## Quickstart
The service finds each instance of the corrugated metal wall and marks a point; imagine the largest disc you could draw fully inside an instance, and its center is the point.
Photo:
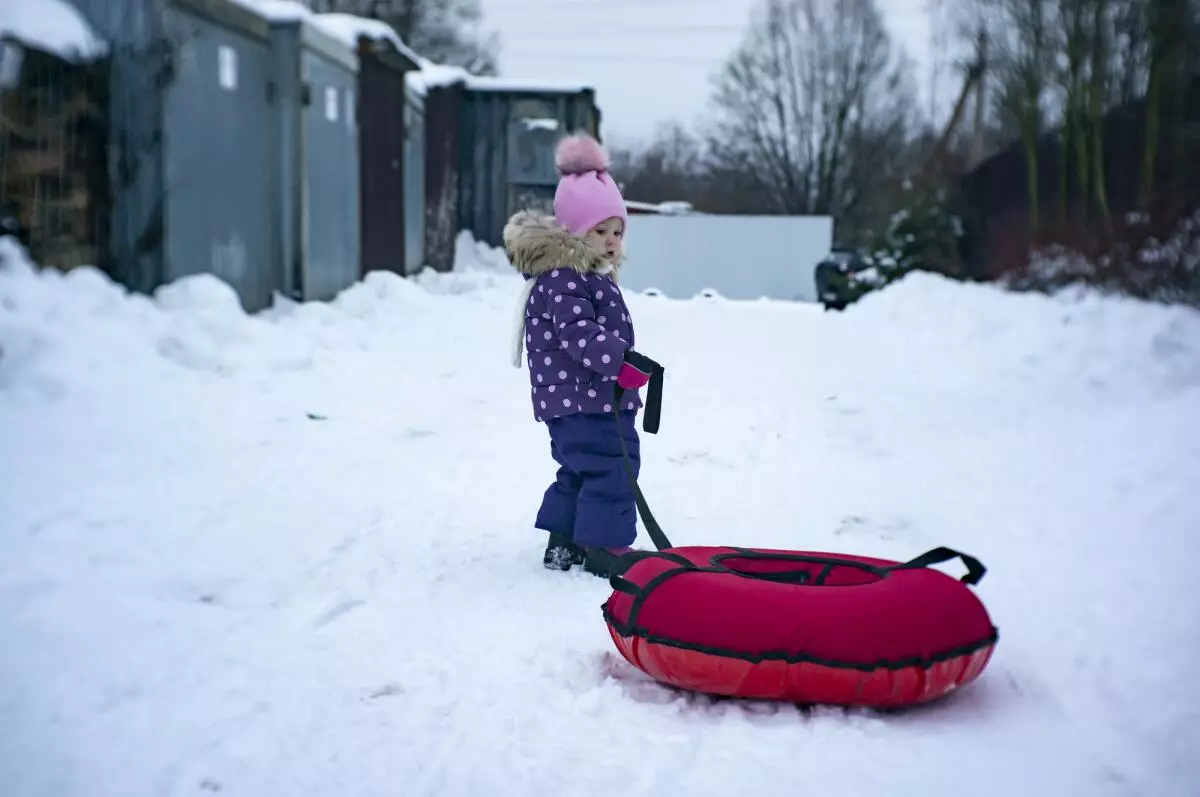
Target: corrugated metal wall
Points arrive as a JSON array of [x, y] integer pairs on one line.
[[482, 195], [318, 157], [507, 153], [470, 157], [333, 231], [383, 160], [218, 165], [443, 108], [191, 191], [54, 186], [490, 153], [141, 66]]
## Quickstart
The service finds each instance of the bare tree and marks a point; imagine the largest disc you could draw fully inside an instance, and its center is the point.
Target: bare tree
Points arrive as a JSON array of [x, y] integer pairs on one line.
[[671, 167], [1172, 28], [813, 107], [1021, 64], [1130, 50], [1060, 65], [444, 31]]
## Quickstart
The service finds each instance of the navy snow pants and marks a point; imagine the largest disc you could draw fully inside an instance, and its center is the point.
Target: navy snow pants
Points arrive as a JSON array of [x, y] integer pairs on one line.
[[590, 500]]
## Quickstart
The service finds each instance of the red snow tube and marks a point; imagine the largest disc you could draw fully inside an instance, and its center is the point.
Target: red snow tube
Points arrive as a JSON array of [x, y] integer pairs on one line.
[[798, 626]]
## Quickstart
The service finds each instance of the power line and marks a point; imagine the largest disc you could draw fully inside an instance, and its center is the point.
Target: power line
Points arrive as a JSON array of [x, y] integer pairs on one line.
[[639, 30], [918, 7], [597, 5], [618, 57]]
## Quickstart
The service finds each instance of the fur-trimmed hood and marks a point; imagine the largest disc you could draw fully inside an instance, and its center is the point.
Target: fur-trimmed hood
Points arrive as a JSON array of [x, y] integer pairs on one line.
[[535, 244]]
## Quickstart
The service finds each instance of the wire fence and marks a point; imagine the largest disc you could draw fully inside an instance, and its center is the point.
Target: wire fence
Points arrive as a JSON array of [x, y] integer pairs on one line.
[[54, 187]]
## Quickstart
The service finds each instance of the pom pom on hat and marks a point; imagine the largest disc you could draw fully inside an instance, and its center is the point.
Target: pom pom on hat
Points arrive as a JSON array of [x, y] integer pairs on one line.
[[579, 154], [586, 194]]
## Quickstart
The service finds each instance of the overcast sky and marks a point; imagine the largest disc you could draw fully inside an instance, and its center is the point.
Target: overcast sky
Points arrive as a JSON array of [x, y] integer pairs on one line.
[[647, 59]]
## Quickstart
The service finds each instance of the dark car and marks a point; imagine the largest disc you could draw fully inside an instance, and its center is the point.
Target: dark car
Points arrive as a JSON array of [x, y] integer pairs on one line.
[[843, 277]]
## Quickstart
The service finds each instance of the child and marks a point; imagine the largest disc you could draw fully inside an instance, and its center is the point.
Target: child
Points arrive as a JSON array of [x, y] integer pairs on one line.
[[580, 338]]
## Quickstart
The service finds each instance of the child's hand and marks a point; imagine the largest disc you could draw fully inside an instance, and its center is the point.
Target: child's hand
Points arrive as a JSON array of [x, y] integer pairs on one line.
[[635, 371]]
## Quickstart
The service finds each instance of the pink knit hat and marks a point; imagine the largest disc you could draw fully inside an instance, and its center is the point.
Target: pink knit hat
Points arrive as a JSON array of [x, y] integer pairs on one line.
[[586, 192]]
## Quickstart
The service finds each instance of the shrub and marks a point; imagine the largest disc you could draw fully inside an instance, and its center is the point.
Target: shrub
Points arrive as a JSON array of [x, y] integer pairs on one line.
[[1147, 255]]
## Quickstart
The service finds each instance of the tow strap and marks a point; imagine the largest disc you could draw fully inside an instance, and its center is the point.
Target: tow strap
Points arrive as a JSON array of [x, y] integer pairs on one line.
[[650, 421]]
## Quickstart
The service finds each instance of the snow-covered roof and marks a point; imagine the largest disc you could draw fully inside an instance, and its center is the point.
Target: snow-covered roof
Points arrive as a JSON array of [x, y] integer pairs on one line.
[[277, 10], [534, 84], [671, 208], [433, 75], [347, 29], [51, 25]]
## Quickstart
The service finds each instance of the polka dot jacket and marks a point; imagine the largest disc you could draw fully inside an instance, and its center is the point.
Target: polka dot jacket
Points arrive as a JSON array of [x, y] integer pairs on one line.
[[577, 327]]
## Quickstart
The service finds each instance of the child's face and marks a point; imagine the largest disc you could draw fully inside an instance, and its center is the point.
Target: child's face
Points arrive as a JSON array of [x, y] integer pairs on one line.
[[606, 236]]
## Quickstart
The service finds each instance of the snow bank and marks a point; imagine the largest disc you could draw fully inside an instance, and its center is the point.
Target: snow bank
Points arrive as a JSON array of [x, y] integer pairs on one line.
[[65, 332], [62, 331], [1101, 345], [291, 553], [52, 25], [79, 331]]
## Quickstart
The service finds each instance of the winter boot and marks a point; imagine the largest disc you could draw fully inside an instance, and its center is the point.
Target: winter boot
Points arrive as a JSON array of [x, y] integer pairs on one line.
[[561, 553]]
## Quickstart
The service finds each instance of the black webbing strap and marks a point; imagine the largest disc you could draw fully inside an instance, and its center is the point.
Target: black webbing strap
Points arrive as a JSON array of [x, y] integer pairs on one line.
[[975, 568], [652, 414], [650, 421]]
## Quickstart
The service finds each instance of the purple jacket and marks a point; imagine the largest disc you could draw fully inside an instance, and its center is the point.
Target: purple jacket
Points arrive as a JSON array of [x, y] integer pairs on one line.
[[577, 327]]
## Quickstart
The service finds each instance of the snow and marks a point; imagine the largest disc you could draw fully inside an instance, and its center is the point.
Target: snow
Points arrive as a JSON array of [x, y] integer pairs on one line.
[[526, 84], [673, 207], [1174, 264], [347, 28], [51, 25], [292, 553], [278, 10], [551, 125], [433, 75]]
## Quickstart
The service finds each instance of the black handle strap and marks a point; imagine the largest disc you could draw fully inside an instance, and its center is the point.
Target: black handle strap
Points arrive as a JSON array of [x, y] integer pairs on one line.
[[652, 415], [650, 422], [975, 568]]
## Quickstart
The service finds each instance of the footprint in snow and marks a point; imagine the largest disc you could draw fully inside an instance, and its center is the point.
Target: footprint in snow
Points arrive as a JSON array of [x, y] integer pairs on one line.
[[854, 525], [692, 456], [336, 611], [385, 690]]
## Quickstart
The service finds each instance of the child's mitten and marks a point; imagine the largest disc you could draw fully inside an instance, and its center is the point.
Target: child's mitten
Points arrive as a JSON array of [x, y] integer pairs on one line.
[[635, 371]]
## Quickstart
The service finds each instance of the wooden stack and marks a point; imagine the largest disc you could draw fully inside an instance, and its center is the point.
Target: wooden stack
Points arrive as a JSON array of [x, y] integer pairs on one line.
[[53, 155]]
